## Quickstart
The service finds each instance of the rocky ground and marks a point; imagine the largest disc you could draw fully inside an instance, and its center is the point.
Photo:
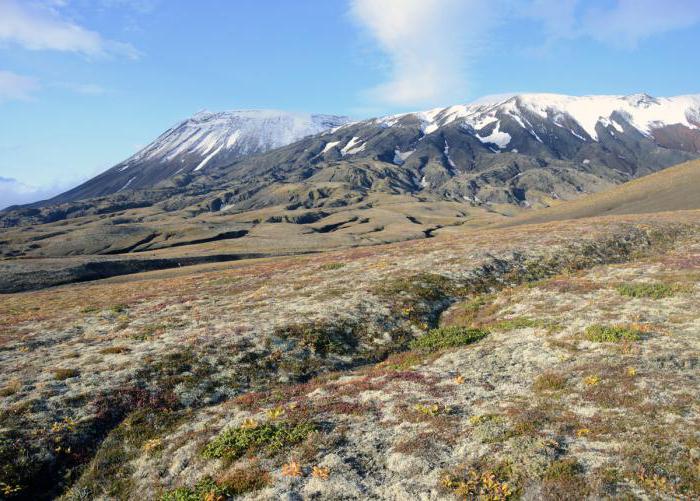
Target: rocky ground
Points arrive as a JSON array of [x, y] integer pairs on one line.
[[550, 361]]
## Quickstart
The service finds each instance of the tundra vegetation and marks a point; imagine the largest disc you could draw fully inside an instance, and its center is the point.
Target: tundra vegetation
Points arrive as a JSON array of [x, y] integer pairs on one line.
[[509, 364]]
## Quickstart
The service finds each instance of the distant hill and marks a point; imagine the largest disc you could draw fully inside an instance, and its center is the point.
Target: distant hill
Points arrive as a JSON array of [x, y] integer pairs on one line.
[[675, 188]]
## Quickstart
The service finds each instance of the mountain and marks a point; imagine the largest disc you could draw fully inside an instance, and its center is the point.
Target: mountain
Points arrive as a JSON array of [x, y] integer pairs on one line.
[[205, 139], [378, 180], [527, 150]]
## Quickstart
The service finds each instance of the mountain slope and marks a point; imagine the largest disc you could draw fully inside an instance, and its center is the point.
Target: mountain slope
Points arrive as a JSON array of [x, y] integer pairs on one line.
[[675, 188], [204, 140]]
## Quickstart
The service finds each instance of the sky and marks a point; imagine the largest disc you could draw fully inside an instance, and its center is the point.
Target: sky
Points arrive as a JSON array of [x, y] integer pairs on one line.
[[84, 84]]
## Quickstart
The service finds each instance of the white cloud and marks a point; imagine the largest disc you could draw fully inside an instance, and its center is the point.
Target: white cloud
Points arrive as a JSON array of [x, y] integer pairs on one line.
[[16, 87], [630, 21], [13, 192], [429, 43], [39, 25], [622, 24], [87, 89]]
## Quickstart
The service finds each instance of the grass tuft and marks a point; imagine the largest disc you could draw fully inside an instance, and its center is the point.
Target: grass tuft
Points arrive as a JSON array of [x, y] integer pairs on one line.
[[549, 381], [63, 374]]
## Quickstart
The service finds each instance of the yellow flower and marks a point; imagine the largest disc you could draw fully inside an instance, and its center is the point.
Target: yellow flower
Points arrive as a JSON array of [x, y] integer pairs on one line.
[[249, 424], [591, 380], [582, 432], [275, 413], [631, 371], [459, 379]]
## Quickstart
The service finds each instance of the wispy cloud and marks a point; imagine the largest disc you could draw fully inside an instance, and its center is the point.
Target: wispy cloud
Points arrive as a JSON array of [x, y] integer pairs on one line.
[[429, 43], [14, 192], [87, 89], [40, 25], [622, 24], [432, 45], [17, 87], [629, 22]]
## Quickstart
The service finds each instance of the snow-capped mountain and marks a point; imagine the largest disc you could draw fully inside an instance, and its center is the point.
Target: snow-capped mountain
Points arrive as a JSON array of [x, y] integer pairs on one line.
[[580, 117], [524, 144], [206, 139], [210, 138], [525, 149], [641, 111]]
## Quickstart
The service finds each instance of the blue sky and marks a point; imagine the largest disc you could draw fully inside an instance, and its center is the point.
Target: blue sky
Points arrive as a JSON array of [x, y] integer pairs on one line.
[[85, 83]]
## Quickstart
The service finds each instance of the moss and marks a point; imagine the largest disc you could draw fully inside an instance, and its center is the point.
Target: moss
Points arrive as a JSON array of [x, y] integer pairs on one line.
[[647, 290], [271, 437], [611, 334], [448, 337]]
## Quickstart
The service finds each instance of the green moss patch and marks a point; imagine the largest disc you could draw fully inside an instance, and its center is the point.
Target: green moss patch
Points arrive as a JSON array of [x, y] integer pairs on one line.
[[647, 290], [448, 337], [271, 437], [611, 334]]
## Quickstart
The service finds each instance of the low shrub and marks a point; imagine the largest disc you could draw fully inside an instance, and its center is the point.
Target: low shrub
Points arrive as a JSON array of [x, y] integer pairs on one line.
[[271, 437], [612, 334], [647, 290], [478, 485], [332, 266], [447, 337]]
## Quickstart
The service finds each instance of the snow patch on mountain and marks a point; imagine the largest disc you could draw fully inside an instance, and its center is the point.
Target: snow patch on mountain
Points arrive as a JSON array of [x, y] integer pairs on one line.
[[232, 134], [355, 145], [401, 156], [643, 112], [329, 146], [497, 137]]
